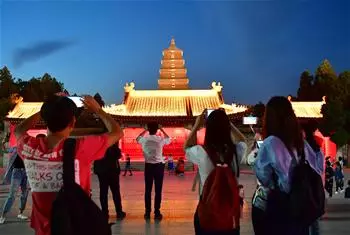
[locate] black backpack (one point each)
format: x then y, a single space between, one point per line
304 204
73 211
307 197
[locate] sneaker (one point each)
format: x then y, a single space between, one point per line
158 216
22 217
147 216
2 220
121 215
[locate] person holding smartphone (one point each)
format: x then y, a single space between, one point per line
152 146
59 114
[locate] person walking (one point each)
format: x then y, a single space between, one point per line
329 178
283 145
16 175
128 166
107 170
309 129
224 145
152 146
339 178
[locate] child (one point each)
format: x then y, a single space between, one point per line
180 167
339 177
128 166
329 178
347 191
171 166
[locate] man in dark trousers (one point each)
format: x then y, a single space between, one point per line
152 146
108 170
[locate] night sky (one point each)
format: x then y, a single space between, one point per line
256 49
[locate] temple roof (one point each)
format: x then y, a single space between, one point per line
153 103
305 109
170 103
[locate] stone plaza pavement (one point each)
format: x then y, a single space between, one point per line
178 206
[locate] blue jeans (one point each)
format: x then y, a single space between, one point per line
315 228
18 179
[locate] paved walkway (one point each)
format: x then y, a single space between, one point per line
178 206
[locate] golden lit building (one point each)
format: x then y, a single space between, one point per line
173 105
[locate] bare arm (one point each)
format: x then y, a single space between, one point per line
191 140
25 125
236 135
141 135
164 133
115 132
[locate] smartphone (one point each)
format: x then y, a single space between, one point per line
250 120
208 112
77 100
259 143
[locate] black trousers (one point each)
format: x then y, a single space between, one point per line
153 172
110 180
263 225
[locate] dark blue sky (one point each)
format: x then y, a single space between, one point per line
256 49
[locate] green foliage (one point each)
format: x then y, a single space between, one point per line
306 91
336 111
259 110
99 99
34 90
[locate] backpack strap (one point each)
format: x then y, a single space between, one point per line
68 162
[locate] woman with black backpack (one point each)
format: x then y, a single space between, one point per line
281 152
309 129
218 211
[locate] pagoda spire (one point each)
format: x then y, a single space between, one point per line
173 74
172 43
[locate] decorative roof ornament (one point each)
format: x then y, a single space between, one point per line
172 43
129 88
216 86
16 98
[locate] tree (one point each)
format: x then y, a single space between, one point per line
259 110
99 99
34 90
7 83
325 81
305 91
336 112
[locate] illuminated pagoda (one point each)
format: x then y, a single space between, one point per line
173 105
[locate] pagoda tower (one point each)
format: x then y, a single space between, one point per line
173 74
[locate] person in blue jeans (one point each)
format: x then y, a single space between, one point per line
17 176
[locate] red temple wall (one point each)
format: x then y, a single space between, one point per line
178 137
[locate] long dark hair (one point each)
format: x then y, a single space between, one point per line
309 129
217 141
280 121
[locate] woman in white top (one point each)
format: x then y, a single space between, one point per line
220 139
274 163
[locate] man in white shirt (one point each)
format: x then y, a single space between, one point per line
152 146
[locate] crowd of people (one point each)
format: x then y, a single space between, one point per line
282 156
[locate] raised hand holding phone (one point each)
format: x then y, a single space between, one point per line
91 104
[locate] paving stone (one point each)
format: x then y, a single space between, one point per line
179 204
